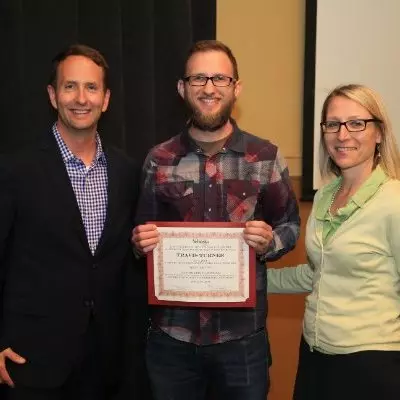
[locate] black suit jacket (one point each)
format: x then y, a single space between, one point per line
51 284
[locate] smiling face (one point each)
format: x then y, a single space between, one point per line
351 151
79 96
211 106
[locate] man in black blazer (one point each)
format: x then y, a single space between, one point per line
72 309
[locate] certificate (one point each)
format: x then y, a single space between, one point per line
201 264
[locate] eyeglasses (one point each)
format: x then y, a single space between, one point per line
353 125
201 80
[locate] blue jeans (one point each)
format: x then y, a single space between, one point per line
235 370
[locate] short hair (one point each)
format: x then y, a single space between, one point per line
79 50
203 46
387 154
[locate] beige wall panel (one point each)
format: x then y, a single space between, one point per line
267 38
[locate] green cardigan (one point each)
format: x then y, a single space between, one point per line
353 273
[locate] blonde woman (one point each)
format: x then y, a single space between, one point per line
351 330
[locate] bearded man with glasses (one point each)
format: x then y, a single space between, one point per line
215 172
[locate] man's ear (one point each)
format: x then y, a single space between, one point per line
106 100
52 95
181 88
238 88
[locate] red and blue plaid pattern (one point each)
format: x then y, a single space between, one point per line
246 180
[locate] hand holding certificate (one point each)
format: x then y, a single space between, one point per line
201 264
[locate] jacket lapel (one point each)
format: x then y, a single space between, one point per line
113 190
60 187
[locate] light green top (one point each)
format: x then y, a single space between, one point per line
363 194
353 270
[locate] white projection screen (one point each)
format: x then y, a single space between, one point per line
347 41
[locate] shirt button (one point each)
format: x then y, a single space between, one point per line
89 303
209 210
210 185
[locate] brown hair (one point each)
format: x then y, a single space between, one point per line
213 45
79 50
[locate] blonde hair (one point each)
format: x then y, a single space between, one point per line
387 154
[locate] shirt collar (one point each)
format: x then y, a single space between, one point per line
363 194
67 154
370 186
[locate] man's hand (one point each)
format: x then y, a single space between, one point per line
145 238
8 353
258 234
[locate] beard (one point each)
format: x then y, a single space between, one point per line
210 122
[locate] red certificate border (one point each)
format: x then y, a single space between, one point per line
248 303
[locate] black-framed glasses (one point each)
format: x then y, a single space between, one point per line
201 80
352 125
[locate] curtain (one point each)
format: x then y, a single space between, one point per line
144 42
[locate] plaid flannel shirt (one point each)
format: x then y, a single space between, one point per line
246 180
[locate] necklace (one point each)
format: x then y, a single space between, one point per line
333 199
